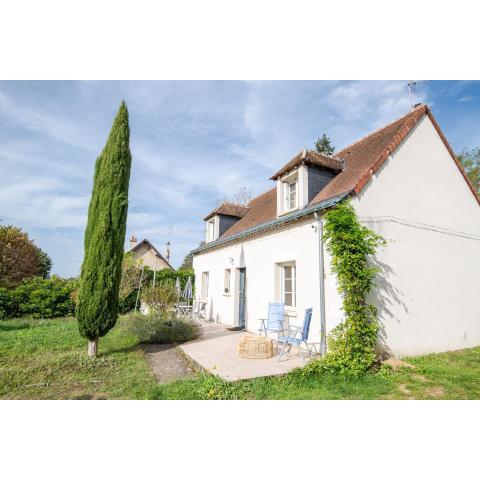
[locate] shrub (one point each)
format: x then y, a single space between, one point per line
130 282
160 299
39 298
169 277
8 304
162 328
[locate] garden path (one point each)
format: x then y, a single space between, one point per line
167 365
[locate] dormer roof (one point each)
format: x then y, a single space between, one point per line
229 209
310 157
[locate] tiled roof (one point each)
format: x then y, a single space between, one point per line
310 157
360 161
369 153
261 209
229 209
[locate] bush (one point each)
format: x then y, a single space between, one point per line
161 328
169 277
39 298
160 299
8 304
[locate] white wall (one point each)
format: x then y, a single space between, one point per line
298 242
429 286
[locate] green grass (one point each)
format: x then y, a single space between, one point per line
46 359
452 375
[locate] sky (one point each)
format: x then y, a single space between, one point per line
192 142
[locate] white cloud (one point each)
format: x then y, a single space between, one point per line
192 143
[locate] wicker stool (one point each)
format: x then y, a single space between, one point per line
255 347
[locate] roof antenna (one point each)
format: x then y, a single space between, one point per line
411 89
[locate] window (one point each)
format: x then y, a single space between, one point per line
290 195
204 291
226 282
211 230
288 284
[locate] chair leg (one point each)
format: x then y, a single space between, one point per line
300 353
281 352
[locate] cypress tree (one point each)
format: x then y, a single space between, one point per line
97 307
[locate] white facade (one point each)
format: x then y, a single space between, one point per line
428 289
261 257
427 292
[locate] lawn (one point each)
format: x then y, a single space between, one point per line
46 359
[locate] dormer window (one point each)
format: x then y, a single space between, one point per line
302 178
291 194
211 230
222 218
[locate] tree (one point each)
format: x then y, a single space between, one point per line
19 257
470 160
242 196
188 260
324 145
97 308
45 263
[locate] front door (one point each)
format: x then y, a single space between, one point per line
242 297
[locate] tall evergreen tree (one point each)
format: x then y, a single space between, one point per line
97 307
324 145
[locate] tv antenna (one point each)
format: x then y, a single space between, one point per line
412 84
169 233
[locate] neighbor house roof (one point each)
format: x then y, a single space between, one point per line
310 157
359 162
229 209
150 244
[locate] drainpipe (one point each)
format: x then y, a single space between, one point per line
321 277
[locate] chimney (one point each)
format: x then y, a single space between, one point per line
133 241
167 253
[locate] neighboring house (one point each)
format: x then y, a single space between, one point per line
405 183
146 253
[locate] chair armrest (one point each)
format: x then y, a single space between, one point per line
294 330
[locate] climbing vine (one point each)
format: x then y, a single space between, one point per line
351 345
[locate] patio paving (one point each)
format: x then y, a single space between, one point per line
216 352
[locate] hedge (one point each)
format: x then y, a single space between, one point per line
39 298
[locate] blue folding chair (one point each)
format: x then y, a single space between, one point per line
296 336
274 322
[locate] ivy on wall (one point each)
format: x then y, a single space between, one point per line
351 345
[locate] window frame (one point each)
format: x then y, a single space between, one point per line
211 230
227 275
293 279
205 285
287 200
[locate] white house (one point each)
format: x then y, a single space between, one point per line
404 182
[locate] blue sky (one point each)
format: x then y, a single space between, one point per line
192 143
